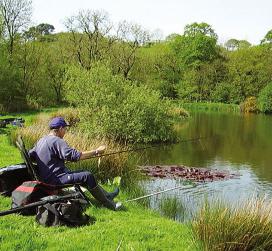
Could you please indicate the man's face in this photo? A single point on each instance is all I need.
(62, 132)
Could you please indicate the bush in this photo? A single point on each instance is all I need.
(118, 109)
(249, 105)
(265, 99)
(221, 93)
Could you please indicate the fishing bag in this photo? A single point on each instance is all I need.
(67, 213)
(29, 192)
(12, 177)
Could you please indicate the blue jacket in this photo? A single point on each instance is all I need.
(50, 153)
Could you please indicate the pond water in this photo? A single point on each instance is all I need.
(239, 143)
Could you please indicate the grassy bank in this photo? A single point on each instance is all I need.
(209, 107)
(241, 227)
(135, 229)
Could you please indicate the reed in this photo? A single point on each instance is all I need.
(173, 208)
(210, 107)
(219, 227)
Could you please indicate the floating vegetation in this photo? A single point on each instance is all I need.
(187, 173)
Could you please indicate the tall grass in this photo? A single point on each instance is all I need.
(210, 107)
(172, 208)
(109, 167)
(219, 227)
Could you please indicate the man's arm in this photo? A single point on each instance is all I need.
(89, 154)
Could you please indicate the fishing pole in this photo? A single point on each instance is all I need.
(148, 147)
(160, 192)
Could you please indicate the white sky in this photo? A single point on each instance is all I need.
(240, 19)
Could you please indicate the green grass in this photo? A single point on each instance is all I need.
(172, 208)
(210, 107)
(222, 227)
(137, 228)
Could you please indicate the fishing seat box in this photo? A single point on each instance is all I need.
(12, 177)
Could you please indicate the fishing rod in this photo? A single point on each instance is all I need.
(162, 191)
(148, 147)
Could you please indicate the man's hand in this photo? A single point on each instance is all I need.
(100, 149)
(92, 153)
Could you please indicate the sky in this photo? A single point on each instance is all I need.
(240, 19)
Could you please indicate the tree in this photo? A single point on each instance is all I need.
(28, 60)
(234, 44)
(130, 37)
(40, 32)
(31, 34)
(244, 44)
(45, 29)
(55, 66)
(267, 38)
(16, 16)
(265, 99)
(90, 36)
(172, 37)
(194, 29)
(193, 50)
(247, 72)
(1, 27)
(196, 50)
(157, 67)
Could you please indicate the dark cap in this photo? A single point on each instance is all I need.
(58, 122)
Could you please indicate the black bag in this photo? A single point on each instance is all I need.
(29, 192)
(68, 213)
(12, 177)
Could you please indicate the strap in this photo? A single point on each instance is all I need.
(53, 210)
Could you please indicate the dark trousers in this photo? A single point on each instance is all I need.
(83, 178)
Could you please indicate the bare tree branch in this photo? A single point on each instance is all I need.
(16, 16)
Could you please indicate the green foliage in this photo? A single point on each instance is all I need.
(234, 44)
(249, 105)
(157, 67)
(247, 73)
(265, 99)
(194, 29)
(221, 93)
(267, 38)
(211, 107)
(191, 67)
(117, 109)
(193, 50)
(10, 97)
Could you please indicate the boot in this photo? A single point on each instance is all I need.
(113, 194)
(99, 194)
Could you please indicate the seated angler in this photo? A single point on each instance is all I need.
(50, 154)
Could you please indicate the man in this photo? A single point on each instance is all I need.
(51, 152)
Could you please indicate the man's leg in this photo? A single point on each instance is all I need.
(83, 178)
(88, 180)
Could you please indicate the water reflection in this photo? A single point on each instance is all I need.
(235, 142)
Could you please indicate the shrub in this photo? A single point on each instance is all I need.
(265, 99)
(249, 105)
(118, 109)
(221, 93)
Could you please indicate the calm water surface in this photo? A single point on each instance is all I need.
(239, 143)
